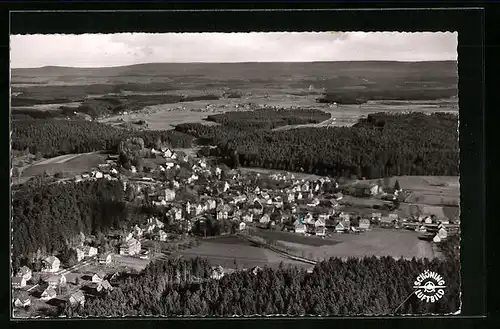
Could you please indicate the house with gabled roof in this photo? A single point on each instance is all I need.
(18, 282)
(80, 254)
(300, 227)
(264, 219)
(24, 272)
(341, 227)
(77, 298)
(51, 264)
(48, 294)
(242, 226)
(320, 222)
(130, 247)
(90, 251)
(105, 258)
(217, 272)
(364, 223)
(387, 222)
(442, 233)
(104, 285)
(258, 208)
(98, 277)
(248, 217)
(56, 280)
(320, 231)
(22, 300)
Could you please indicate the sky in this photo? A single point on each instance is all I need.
(104, 50)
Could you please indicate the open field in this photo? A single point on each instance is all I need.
(69, 163)
(360, 202)
(224, 250)
(377, 242)
(449, 185)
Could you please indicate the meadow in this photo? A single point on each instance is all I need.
(66, 164)
(224, 250)
(376, 242)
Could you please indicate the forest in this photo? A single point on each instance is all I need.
(380, 286)
(95, 107)
(46, 216)
(381, 145)
(57, 137)
(348, 96)
(269, 118)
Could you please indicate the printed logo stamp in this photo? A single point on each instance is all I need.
(429, 286)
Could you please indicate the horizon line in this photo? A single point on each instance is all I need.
(243, 62)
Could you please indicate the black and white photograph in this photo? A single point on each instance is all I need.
(240, 174)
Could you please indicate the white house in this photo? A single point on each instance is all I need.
(177, 212)
(18, 282)
(320, 222)
(56, 280)
(265, 219)
(198, 209)
(300, 228)
(168, 153)
(48, 294)
(341, 227)
(23, 300)
(169, 195)
(320, 231)
(442, 233)
(428, 220)
(243, 226)
(51, 264)
(98, 277)
(291, 197)
(105, 258)
(248, 218)
(78, 298)
(133, 169)
(24, 272)
(364, 224)
(436, 239)
(217, 273)
(299, 196)
(80, 254)
(162, 235)
(265, 195)
(309, 219)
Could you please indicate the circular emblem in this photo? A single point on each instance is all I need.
(429, 286)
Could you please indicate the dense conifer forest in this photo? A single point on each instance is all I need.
(46, 216)
(381, 145)
(269, 118)
(336, 287)
(56, 137)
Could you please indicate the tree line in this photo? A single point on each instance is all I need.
(269, 118)
(383, 144)
(376, 286)
(45, 217)
(57, 137)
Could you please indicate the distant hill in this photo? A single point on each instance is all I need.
(251, 70)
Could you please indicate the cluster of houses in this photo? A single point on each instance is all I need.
(106, 170)
(54, 281)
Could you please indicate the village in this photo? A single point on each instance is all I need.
(192, 192)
